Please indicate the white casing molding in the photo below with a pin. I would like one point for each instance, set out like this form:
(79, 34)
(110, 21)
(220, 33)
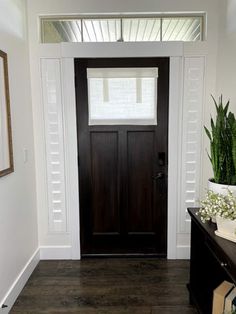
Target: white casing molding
(124, 50)
(174, 144)
(20, 282)
(71, 153)
(67, 245)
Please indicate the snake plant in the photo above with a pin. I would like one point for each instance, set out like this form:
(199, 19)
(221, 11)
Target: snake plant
(222, 138)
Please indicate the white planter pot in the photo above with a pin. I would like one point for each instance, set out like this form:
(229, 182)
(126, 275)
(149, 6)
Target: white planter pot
(221, 188)
(226, 226)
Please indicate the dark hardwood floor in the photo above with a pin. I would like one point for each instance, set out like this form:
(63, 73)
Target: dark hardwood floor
(107, 286)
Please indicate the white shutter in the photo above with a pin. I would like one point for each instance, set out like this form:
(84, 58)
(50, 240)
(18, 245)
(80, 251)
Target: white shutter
(191, 137)
(52, 100)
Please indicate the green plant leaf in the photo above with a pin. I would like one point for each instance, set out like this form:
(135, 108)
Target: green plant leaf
(226, 107)
(215, 102)
(208, 133)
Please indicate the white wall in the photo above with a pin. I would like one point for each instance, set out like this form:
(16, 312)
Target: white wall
(226, 69)
(225, 66)
(18, 214)
(63, 7)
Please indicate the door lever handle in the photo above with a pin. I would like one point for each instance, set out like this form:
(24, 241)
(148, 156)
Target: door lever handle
(159, 175)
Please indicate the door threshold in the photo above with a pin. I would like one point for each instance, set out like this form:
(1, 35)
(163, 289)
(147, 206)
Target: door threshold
(120, 255)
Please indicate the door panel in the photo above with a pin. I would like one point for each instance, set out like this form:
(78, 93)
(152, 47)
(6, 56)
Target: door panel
(123, 172)
(140, 149)
(104, 176)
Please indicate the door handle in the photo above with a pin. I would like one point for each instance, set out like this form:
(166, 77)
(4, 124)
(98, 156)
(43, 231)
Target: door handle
(159, 175)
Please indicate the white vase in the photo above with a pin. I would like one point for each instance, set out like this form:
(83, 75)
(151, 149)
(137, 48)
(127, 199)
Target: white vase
(226, 226)
(221, 188)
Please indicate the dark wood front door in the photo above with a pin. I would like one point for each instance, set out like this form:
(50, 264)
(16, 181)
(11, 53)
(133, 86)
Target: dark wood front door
(123, 172)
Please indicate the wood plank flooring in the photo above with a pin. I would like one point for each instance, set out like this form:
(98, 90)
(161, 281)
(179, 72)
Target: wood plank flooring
(107, 286)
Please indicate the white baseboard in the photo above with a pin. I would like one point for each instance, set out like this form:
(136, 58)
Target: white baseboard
(183, 252)
(20, 282)
(55, 252)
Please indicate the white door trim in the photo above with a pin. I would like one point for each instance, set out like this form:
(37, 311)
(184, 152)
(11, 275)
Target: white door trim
(174, 152)
(66, 53)
(71, 151)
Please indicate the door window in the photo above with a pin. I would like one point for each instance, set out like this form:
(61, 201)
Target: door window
(122, 96)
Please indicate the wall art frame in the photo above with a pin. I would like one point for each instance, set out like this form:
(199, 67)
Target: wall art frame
(6, 149)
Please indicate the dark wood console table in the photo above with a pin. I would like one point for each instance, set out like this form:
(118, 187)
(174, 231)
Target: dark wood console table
(213, 260)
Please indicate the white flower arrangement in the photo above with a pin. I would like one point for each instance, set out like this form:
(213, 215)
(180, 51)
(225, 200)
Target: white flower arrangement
(216, 204)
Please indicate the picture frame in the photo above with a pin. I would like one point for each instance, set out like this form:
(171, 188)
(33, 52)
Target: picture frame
(6, 150)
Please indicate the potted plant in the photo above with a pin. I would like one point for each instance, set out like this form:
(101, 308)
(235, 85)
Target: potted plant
(223, 208)
(222, 136)
(220, 202)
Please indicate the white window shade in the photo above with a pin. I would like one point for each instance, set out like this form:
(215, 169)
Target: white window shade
(122, 96)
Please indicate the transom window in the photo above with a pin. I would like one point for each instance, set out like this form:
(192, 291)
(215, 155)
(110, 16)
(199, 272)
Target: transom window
(122, 29)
